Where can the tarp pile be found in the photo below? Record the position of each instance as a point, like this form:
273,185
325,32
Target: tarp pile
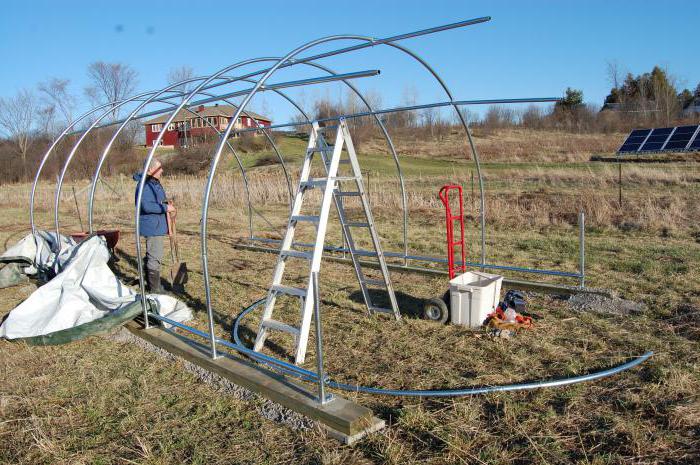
83,296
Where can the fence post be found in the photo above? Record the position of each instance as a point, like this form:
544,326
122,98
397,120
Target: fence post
582,248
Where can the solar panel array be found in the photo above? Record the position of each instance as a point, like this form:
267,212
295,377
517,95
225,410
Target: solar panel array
678,139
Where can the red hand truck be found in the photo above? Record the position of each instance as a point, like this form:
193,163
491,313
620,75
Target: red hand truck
449,223
437,309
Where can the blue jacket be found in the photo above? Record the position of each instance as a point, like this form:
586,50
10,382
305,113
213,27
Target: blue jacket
153,221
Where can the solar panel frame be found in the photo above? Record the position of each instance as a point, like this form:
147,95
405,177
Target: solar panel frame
635,140
681,138
656,140
694,143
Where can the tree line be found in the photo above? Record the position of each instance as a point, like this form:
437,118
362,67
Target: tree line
32,118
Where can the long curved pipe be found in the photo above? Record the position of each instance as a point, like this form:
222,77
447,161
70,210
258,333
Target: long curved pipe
48,153
112,106
313,377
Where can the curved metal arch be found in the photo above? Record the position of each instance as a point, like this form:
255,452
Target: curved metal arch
215,162
145,102
132,116
47,154
477,163
385,132
390,143
151,155
69,158
261,81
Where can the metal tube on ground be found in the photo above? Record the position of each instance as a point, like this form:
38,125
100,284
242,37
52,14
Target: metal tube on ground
466,391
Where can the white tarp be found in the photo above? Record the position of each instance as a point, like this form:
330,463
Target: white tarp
39,249
83,291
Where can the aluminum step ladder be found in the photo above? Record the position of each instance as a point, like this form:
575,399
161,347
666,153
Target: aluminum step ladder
332,158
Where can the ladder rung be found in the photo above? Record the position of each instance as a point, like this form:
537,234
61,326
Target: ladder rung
327,128
374,282
310,218
328,148
380,309
279,326
362,253
314,182
348,194
289,290
357,224
295,254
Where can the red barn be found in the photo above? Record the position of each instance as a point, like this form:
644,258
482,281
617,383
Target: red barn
192,128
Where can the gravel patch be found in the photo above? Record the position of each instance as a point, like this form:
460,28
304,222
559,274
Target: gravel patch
267,408
597,303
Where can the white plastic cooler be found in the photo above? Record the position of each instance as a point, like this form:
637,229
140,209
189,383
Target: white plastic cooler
473,295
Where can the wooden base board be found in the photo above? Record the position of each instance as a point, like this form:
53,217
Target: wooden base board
341,418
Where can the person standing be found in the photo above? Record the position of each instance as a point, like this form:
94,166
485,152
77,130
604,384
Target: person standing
153,223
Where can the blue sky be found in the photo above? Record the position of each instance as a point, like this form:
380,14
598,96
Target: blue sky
529,49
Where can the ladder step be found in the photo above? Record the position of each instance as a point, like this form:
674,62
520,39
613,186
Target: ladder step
363,253
289,290
328,148
348,194
380,309
327,128
316,182
310,218
279,326
374,282
357,224
295,254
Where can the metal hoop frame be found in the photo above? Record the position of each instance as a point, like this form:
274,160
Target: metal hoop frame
219,78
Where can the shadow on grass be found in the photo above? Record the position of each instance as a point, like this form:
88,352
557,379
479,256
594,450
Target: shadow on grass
409,305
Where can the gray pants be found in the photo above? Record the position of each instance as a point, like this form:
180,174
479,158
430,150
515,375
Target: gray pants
154,252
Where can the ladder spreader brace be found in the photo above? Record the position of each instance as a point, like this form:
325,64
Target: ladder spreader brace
332,192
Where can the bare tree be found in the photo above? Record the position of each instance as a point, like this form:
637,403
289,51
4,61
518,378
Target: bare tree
57,99
181,73
111,82
17,119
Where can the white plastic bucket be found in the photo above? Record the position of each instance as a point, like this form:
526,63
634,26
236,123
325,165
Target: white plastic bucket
473,295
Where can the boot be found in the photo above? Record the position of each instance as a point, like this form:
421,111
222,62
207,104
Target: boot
153,281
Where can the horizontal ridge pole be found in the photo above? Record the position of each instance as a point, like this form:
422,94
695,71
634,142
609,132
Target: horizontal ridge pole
279,85
458,103
352,48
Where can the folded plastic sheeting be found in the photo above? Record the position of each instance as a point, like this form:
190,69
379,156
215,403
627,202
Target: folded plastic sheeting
38,252
84,290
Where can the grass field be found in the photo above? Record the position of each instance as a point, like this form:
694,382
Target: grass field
106,401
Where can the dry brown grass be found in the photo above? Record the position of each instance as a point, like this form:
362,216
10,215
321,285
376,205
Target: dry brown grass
101,401
513,145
